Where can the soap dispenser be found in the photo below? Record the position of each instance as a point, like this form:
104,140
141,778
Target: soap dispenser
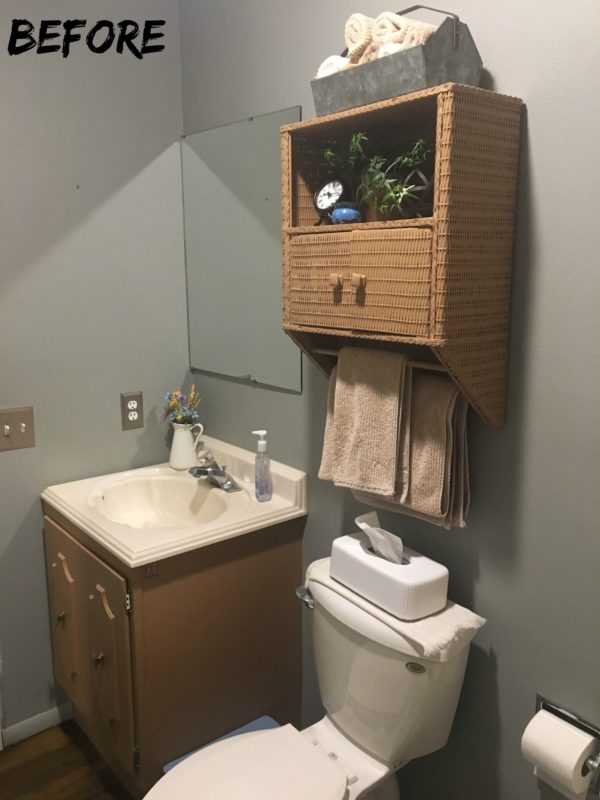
262,474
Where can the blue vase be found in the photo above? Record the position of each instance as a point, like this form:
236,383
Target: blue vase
345,212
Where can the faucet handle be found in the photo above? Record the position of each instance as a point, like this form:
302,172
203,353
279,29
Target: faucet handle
205,457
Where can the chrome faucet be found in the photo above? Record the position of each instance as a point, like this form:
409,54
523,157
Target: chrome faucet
208,468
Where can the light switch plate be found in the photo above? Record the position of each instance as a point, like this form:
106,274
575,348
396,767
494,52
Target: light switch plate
16,428
132,410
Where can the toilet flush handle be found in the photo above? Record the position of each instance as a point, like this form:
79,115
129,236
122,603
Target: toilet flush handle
304,594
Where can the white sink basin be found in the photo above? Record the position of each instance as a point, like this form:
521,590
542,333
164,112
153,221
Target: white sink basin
144,515
159,500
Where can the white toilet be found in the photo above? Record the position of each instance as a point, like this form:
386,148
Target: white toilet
386,704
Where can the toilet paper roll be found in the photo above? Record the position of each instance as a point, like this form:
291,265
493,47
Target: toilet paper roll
541,775
559,751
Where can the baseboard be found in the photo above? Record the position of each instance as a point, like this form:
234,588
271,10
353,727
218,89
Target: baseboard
41,722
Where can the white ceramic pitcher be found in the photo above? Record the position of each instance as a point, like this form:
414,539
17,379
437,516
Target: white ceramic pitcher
183,447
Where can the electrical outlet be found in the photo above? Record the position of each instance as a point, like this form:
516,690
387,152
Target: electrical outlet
132,410
16,428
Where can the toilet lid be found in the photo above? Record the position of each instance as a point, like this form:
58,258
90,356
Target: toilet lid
265,765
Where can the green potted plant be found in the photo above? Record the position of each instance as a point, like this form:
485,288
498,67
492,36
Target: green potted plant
383,186
350,164
386,188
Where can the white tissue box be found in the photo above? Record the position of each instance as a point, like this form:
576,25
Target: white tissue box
414,589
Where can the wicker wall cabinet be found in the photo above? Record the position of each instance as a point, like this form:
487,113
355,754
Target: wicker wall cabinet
438,284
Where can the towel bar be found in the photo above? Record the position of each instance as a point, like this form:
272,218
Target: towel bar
328,351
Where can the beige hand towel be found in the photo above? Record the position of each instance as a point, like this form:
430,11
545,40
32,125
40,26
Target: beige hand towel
391,33
432,481
357,35
461,492
360,449
370,54
431,443
390,27
330,456
417,33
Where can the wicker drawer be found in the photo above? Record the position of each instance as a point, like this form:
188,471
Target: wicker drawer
376,280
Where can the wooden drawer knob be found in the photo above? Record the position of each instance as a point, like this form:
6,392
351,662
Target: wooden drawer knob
335,278
358,280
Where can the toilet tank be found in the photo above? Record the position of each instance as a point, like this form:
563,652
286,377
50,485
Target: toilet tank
376,688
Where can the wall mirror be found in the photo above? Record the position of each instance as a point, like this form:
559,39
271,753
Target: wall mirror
232,218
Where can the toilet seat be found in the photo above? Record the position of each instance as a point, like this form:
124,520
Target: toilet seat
266,765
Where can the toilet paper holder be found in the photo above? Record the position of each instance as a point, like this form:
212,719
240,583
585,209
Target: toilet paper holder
593,762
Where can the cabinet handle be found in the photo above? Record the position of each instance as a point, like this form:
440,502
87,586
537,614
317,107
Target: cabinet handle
98,659
60,618
358,280
335,279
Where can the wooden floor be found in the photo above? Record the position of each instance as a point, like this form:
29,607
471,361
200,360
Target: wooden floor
58,764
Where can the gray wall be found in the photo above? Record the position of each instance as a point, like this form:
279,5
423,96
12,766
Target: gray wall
92,289
529,559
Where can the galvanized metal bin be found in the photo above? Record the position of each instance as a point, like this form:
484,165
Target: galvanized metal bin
448,56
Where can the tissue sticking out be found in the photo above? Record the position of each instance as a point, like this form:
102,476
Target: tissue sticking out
384,543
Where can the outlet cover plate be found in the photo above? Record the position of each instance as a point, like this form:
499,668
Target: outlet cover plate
16,428
132,410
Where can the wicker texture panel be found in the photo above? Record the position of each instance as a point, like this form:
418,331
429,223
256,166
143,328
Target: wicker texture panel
309,170
479,367
395,298
312,301
476,162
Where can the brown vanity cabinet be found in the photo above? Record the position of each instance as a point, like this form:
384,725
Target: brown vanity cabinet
163,658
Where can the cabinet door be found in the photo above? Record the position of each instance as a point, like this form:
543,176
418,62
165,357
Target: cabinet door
376,281
65,588
109,658
92,654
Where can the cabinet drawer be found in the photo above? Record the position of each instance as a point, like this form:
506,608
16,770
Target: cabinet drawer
375,280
